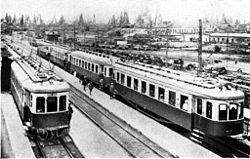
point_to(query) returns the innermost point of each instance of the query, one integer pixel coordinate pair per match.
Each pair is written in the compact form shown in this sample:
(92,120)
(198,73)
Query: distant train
(195,103)
(41,97)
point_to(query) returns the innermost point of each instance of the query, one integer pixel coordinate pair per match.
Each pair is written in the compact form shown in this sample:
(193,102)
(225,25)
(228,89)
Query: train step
(197,135)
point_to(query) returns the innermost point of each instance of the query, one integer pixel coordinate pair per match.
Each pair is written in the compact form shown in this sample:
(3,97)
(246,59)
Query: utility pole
(200,48)
(167,44)
(74,37)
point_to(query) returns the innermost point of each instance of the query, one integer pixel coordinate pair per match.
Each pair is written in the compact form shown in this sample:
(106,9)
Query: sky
(174,10)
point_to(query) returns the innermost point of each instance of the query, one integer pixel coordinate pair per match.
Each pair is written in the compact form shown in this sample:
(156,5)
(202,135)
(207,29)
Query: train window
(241,110)
(143,87)
(209,110)
(199,106)
(105,71)
(118,77)
(172,96)
(51,104)
(89,66)
(129,81)
(184,102)
(82,64)
(110,71)
(40,104)
(122,79)
(135,84)
(93,68)
(62,103)
(102,68)
(233,110)
(222,112)
(96,68)
(86,64)
(76,62)
(152,90)
(161,94)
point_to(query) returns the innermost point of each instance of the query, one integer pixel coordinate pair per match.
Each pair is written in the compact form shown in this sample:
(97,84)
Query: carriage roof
(93,57)
(33,81)
(183,82)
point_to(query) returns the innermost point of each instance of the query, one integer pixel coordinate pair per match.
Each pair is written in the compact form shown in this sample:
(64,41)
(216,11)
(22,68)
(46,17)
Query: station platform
(15,143)
(164,137)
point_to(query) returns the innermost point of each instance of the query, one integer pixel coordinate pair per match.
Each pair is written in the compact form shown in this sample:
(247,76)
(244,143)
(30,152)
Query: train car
(95,66)
(195,103)
(41,97)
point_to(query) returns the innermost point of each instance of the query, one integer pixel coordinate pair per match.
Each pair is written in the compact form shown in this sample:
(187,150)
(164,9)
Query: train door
(247,99)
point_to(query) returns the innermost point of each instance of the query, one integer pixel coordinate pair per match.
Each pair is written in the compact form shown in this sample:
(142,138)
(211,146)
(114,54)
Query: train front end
(49,108)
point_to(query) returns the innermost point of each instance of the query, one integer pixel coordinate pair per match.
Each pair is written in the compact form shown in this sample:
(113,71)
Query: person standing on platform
(90,85)
(101,84)
(70,113)
(111,90)
(85,82)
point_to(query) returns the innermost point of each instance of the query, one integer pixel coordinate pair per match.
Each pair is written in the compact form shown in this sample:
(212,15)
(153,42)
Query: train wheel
(43,135)
(62,132)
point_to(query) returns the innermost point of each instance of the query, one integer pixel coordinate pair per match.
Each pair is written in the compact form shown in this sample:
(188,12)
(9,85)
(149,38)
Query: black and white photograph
(125,78)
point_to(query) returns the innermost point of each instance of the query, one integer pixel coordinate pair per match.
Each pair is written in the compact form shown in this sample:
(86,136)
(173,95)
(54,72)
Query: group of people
(85,82)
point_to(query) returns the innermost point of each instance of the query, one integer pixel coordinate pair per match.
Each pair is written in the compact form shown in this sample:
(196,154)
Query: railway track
(128,138)
(55,148)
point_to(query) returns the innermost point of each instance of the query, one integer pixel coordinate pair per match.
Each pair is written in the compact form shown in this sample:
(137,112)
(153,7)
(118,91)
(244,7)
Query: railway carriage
(41,97)
(95,66)
(195,104)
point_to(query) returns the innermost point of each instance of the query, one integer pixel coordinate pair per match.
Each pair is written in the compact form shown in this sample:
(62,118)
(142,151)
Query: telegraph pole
(200,48)
(74,37)
(167,44)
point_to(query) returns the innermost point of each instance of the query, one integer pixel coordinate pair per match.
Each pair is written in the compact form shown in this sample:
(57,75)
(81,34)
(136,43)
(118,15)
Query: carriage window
(51,104)
(102,68)
(199,106)
(233,111)
(62,103)
(89,66)
(135,84)
(82,64)
(122,78)
(110,71)
(128,81)
(143,87)
(96,68)
(161,94)
(184,102)
(152,90)
(118,77)
(92,67)
(40,104)
(209,110)
(86,64)
(76,62)
(241,110)
(172,96)
(223,112)
(105,71)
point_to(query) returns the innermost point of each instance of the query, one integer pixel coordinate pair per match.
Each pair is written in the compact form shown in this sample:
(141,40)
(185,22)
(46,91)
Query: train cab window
(110,72)
(233,111)
(51,104)
(92,67)
(161,94)
(209,110)
(96,68)
(172,98)
(40,104)
(122,79)
(152,90)
(199,106)
(143,87)
(62,103)
(184,102)
(135,84)
(241,110)
(89,66)
(118,77)
(222,112)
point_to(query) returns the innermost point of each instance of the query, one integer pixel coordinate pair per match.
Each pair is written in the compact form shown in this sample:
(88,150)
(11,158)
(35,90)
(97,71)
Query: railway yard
(110,125)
